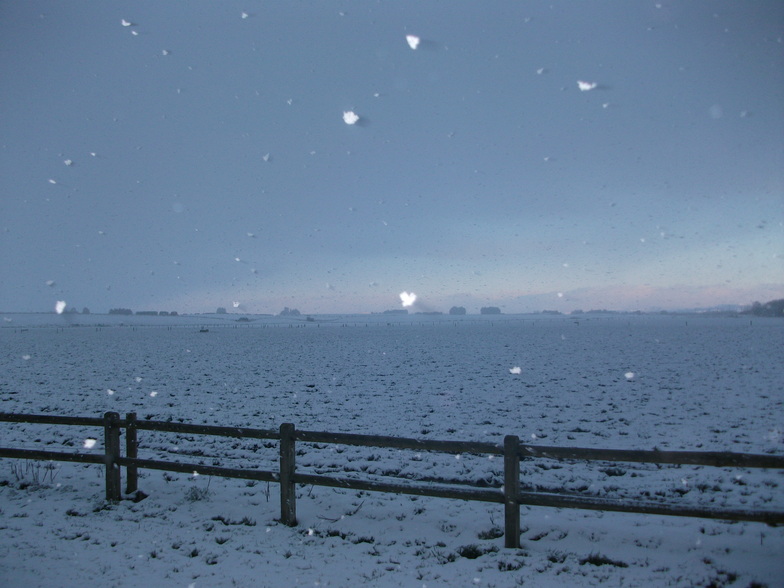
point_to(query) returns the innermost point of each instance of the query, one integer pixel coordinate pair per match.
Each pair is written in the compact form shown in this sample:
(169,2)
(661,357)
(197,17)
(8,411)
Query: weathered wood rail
(287,476)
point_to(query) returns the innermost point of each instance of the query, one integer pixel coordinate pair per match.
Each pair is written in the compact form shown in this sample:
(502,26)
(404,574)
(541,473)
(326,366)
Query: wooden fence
(287,476)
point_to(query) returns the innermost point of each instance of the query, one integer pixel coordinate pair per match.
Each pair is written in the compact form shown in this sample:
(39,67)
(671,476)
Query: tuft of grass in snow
(612,471)
(510,566)
(556,557)
(34,473)
(492,533)
(247,521)
(195,494)
(597,559)
(474,551)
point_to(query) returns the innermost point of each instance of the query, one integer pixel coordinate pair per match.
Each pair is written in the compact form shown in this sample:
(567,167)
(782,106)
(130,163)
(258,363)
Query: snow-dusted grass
(698,383)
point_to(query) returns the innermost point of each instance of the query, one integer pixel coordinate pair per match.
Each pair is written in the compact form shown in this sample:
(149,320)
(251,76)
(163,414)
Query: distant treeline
(772,308)
(128,311)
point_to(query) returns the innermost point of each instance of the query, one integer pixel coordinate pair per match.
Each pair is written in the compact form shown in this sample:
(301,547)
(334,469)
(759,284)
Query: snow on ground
(698,383)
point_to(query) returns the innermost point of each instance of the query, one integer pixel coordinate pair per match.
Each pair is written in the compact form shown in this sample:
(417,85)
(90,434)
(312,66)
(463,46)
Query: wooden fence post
(511,491)
(111,428)
(288,497)
(131,451)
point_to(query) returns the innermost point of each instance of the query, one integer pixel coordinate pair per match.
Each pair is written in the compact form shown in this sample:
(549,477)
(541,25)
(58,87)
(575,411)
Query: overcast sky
(184,156)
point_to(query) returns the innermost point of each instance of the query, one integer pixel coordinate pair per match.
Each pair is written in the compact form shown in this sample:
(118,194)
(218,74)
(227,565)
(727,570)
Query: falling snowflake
(59,307)
(266,157)
(586,86)
(126,23)
(153,394)
(26,357)
(408,298)
(244,15)
(110,392)
(50,283)
(629,375)
(89,443)
(350,117)
(68,162)
(516,370)
(413,41)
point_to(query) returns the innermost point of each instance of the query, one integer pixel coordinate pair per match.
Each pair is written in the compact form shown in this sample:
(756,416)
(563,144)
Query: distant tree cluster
(128,312)
(289,312)
(772,308)
(457,310)
(489,310)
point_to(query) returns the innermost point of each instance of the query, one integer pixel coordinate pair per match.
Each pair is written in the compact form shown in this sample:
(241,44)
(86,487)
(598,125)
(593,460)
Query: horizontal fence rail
(706,458)
(511,495)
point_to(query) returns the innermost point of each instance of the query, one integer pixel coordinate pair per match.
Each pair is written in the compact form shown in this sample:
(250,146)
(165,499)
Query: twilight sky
(184,156)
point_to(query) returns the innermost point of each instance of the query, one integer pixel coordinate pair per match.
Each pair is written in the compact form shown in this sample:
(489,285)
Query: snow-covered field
(638,382)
